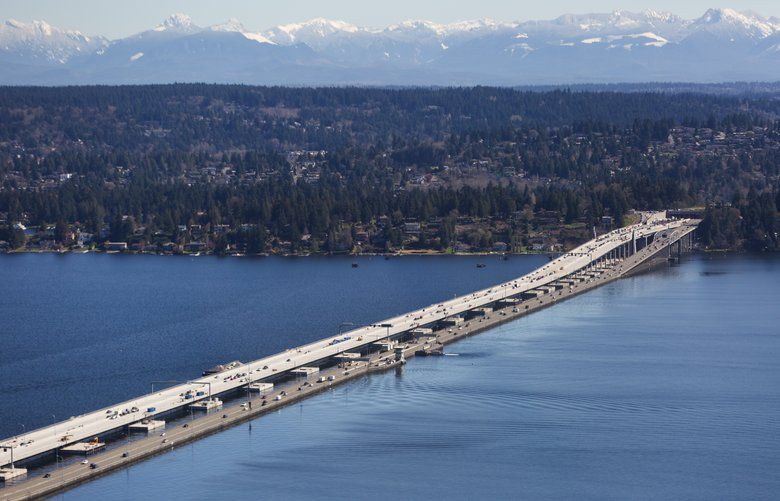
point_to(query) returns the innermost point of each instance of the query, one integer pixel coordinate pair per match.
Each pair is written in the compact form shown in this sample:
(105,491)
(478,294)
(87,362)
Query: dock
(83,448)
(207,405)
(260,387)
(147,425)
(9,473)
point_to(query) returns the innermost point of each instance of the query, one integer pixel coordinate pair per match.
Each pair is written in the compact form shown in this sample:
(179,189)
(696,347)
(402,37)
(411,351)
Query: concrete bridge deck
(615,253)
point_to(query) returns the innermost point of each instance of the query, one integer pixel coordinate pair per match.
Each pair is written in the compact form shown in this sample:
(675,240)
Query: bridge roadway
(95,423)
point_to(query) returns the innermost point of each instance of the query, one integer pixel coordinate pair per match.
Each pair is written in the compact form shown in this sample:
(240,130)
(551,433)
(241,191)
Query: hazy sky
(120,18)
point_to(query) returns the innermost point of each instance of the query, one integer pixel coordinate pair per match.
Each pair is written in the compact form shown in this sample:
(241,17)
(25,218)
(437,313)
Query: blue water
(81,331)
(664,385)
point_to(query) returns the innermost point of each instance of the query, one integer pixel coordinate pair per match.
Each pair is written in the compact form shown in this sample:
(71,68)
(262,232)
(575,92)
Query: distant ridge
(722,45)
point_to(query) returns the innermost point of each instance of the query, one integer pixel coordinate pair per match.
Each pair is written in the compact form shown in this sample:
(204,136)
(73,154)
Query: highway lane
(95,423)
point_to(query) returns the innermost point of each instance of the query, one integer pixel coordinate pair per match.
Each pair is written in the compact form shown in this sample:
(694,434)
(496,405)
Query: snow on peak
(235,26)
(648,39)
(39,29)
(417,27)
(661,16)
(731,22)
(232,25)
(476,24)
(468,29)
(40,40)
(36,27)
(13,23)
(310,30)
(176,22)
(721,15)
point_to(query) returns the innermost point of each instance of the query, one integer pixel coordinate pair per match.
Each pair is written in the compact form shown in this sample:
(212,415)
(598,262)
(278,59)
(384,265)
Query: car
(165,441)
(47,475)
(224,416)
(84,462)
(93,466)
(125,454)
(185,425)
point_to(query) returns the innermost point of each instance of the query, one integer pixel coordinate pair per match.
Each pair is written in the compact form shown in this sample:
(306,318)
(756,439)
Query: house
(169,247)
(500,247)
(195,247)
(361,236)
(412,228)
(83,239)
(461,247)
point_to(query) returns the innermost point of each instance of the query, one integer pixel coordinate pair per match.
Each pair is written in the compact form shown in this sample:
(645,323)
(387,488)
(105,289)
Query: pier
(294,374)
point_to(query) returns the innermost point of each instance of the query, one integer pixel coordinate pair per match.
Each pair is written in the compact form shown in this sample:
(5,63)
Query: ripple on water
(658,386)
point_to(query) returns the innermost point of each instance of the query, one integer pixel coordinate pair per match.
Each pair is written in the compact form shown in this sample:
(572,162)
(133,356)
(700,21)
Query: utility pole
(387,326)
(345,324)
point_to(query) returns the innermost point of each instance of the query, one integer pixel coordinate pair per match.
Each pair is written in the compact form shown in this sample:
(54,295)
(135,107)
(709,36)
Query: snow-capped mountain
(39,43)
(316,33)
(235,26)
(728,23)
(621,46)
(177,23)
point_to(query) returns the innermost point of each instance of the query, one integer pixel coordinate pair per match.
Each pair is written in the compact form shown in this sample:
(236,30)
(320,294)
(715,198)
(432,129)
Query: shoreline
(272,254)
(386,255)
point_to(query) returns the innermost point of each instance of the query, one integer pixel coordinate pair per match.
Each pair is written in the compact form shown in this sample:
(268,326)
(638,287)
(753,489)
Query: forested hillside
(236,169)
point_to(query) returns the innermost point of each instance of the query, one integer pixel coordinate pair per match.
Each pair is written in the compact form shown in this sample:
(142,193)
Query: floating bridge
(624,250)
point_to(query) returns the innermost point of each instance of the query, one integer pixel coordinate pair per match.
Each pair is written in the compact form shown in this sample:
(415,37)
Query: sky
(119,18)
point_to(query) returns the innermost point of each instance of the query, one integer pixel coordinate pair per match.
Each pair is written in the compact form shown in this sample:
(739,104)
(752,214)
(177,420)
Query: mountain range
(721,45)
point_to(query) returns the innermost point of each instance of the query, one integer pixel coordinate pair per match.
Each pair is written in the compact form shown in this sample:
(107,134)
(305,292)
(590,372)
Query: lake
(657,386)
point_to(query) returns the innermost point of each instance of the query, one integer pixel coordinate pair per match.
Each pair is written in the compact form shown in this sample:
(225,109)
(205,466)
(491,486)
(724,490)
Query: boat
(354,265)
(480,265)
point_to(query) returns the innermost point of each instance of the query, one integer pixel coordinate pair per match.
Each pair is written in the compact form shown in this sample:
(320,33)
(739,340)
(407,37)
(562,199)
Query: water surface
(664,385)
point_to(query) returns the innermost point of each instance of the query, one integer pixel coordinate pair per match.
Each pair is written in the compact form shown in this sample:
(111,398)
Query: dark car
(125,454)
(93,466)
